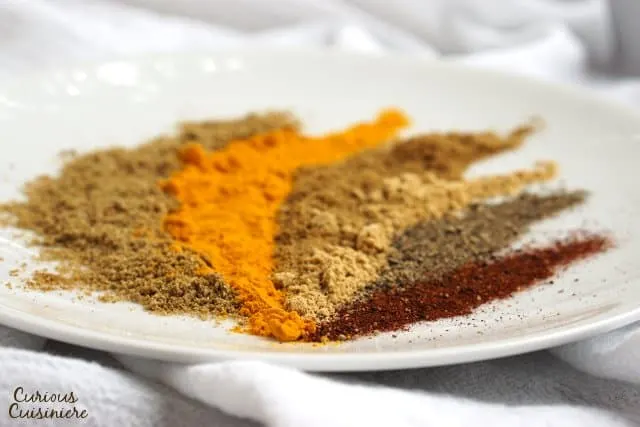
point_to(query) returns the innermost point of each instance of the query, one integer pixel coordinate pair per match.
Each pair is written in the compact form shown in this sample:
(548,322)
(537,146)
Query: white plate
(124,102)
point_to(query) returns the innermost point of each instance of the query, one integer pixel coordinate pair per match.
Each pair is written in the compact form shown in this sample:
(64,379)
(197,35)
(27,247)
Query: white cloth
(573,41)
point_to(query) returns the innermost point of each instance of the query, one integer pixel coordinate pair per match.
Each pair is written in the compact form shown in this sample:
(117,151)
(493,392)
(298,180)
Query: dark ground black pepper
(434,248)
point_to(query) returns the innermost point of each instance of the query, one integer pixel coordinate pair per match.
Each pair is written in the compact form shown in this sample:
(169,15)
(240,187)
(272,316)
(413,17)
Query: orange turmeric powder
(229,201)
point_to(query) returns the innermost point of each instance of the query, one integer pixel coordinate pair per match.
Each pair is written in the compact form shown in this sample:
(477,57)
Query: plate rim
(567,89)
(316,362)
(326,362)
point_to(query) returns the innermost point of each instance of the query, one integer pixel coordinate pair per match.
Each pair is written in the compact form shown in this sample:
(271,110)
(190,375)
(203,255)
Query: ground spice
(460,292)
(338,222)
(450,154)
(228,205)
(102,218)
(435,248)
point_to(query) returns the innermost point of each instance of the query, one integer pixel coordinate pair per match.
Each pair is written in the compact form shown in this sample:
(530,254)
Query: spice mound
(298,237)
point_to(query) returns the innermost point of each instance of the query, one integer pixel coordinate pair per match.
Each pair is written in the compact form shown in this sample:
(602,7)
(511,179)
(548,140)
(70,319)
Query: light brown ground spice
(102,219)
(338,222)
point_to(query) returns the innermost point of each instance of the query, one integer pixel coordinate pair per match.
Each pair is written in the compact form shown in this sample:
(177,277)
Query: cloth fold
(284,397)
(591,383)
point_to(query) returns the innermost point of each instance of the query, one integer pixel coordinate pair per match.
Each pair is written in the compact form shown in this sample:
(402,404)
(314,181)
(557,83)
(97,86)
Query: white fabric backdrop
(585,42)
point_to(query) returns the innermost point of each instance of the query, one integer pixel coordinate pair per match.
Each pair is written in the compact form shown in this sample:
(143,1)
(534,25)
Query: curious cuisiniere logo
(44,405)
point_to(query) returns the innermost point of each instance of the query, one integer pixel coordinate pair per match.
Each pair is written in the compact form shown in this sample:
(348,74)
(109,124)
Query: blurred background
(591,42)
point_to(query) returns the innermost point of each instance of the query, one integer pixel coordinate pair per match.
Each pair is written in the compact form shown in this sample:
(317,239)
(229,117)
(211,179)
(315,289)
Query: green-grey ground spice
(434,248)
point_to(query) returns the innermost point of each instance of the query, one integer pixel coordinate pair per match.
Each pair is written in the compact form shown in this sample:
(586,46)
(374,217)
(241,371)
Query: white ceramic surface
(123,102)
